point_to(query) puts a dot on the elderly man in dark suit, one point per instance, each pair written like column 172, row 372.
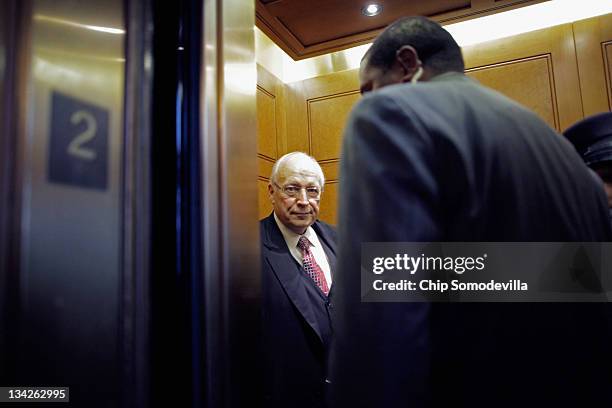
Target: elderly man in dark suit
column 298, row 255
column 429, row 155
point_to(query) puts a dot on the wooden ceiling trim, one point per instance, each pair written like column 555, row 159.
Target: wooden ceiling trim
column 269, row 18
column 339, row 44
column 278, row 33
column 486, row 8
column 320, row 21
column 355, row 36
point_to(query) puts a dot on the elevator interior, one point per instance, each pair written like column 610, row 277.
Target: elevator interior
column 137, row 137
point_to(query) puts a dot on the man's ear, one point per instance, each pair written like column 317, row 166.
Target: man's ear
column 408, row 59
column 271, row 193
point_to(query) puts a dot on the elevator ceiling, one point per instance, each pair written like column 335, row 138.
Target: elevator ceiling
column 306, row 28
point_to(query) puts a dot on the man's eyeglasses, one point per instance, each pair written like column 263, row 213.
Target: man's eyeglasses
column 291, row 190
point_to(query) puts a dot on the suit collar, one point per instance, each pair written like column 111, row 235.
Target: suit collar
column 325, row 239
column 287, row 270
column 450, row 76
column 272, row 237
column 291, row 238
column 331, row 259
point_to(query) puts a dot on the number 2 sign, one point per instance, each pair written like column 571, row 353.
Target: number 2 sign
column 78, row 149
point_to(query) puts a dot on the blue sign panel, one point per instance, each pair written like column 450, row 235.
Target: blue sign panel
column 78, row 149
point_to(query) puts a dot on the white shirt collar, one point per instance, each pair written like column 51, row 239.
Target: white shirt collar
column 291, row 238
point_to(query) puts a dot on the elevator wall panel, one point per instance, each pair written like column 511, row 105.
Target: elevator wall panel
column 326, row 118
column 270, row 132
column 266, row 128
column 534, row 73
column 264, row 200
column 537, row 69
column 594, row 56
column 329, row 200
column 317, row 111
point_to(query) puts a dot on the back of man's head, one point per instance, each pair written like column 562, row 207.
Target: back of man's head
column 436, row 48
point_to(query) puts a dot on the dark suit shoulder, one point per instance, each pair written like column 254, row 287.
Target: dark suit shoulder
column 327, row 230
column 269, row 234
column 264, row 223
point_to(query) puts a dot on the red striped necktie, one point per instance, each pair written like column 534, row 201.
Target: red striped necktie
column 311, row 266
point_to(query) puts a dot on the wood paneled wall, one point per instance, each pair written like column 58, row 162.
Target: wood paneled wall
column 271, row 132
column 318, row 110
column 563, row 73
column 537, row 69
column 593, row 39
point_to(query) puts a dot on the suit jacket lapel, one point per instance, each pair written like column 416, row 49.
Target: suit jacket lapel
column 329, row 248
column 288, row 273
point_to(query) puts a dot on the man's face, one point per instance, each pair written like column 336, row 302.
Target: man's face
column 605, row 173
column 373, row 78
column 293, row 196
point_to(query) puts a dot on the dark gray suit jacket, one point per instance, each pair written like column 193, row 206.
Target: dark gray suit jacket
column 296, row 324
column 450, row 160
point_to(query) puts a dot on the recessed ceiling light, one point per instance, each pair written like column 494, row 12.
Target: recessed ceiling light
column 371, row 10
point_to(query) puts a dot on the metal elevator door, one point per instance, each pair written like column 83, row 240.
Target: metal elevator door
column 129, row 266
column 67, row 148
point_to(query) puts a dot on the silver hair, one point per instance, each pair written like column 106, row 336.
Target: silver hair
column 284, row 160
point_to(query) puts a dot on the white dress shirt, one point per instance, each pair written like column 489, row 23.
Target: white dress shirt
column 291, row 238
